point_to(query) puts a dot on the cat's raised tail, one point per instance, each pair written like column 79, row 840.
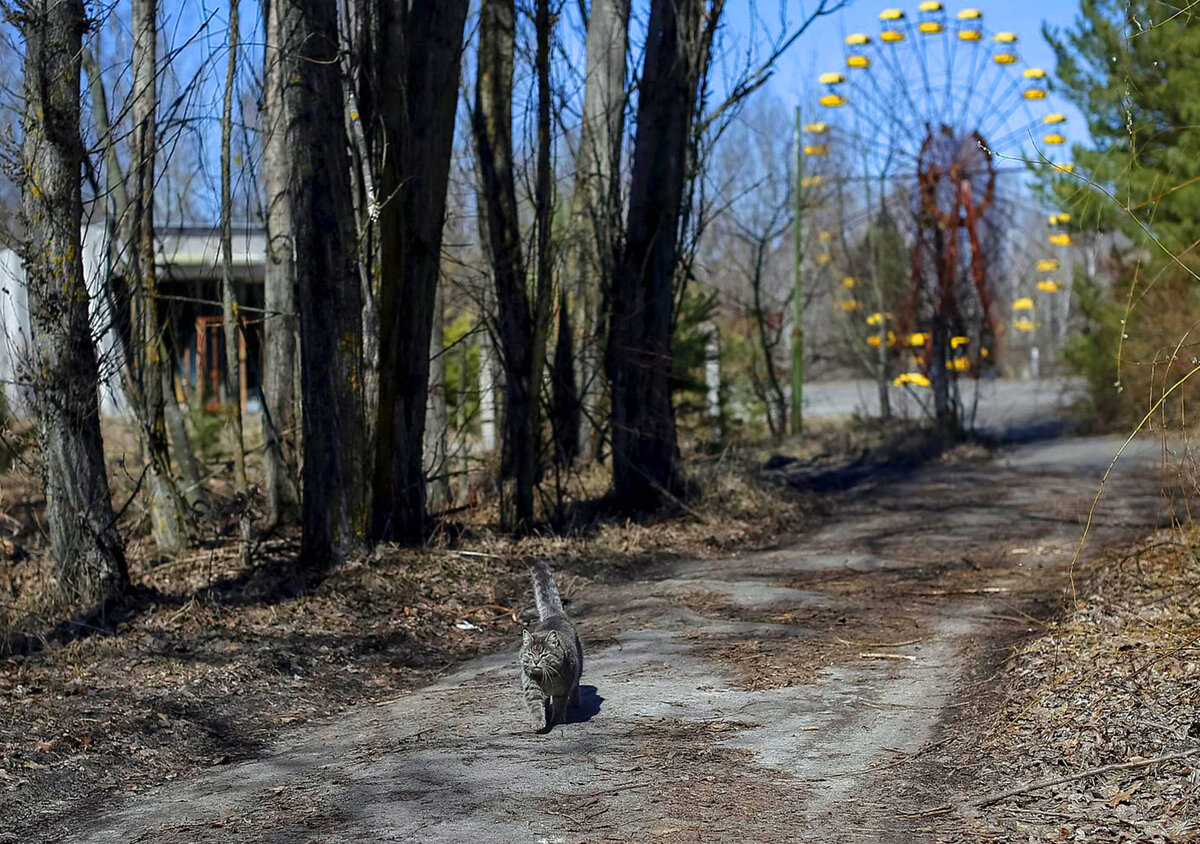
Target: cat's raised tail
column 545, row 592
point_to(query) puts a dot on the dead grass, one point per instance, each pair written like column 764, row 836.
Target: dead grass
column 1115, row 680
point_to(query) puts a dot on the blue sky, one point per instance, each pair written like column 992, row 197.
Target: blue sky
column 821, row 49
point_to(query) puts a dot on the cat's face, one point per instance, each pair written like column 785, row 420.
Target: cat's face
column 541, row 654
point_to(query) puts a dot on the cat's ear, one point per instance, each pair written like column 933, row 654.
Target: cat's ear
column 552, row 639
column 526, row 639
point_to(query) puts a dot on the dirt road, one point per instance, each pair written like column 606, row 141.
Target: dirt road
column 796, row 695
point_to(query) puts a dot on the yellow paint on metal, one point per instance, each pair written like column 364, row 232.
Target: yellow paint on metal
column 857, row 39
column 832, row 100
column 970, row 15
column 1063, row 239
column 848, row 282
column 1005, row 58
column 858, row 62
column 832, row 78
column 1048, row 286
column 917, row 339
column 930, row 27
column 816, row 150
column 1035, row 93
column 1033, row 73
column 1054, row 138
column 1023, row 304
column 969, row 35
column 877, row 318
column 812, row 181
column 1005, row 38
column 824, row 258
column 1060, row 218
column 850, row 305
column 891, row 15
column 891, row 36
column 1054, row 117
column 816, row 128
column 825, row 236
column 955, row 342
column 929, row 6
column 1047, row 265
column 1023, row 324
column 914, row 378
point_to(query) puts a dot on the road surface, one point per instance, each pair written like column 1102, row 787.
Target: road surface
column 800, row 694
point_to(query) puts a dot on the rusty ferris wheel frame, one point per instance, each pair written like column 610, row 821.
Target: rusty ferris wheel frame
column 945, row 129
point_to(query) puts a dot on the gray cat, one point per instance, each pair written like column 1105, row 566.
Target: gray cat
column 551, row 656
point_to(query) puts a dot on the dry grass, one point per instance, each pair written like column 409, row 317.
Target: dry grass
column 1115, row 680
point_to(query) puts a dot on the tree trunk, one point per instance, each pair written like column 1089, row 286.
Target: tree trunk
column 420, row 57
column 233, row 370
column 521, row 330
column 279, row 419
column 489, row 389
column 645, row 447
column 437, row 465
column 168, row 512
column 330, row 298
column 88, row 557
column 122, row 245
column 596, row 225
column 565, row 397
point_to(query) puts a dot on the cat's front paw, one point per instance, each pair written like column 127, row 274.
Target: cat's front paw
column 538, row 724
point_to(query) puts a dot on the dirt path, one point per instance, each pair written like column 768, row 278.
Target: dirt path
column 726, row 700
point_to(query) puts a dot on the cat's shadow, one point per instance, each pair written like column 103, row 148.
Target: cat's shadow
column 589, row 706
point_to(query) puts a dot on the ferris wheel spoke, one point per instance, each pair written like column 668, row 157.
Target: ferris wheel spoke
column 922, row 60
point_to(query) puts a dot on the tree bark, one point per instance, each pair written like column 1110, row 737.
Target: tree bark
column 169, row 515
column 596, row 224
column 645, row 447
column 330, row 298
column 279, row 419
column 521, row 329
column 437, row 464
column 419, row 67
column 229, row 300
column 86, row 548
column 565, row 405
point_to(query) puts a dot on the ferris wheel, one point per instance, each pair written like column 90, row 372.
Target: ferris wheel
column 921, row 124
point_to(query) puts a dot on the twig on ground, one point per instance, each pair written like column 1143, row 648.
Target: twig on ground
column 1090, row 772
column 901, row 657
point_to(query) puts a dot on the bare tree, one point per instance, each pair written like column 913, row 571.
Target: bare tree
column 419, row 58
column 89, row 560
column 122, row 243
column 645, row 447
column 228, row 295
column 151, row 375
column 280, row 416
column 596, row 219
column 330, row 298
column 521, row 325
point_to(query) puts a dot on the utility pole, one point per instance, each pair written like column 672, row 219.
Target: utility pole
column 797, row 287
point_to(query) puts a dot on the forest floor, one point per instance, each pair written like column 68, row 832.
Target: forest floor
column 838, row 686
column 210, row 662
